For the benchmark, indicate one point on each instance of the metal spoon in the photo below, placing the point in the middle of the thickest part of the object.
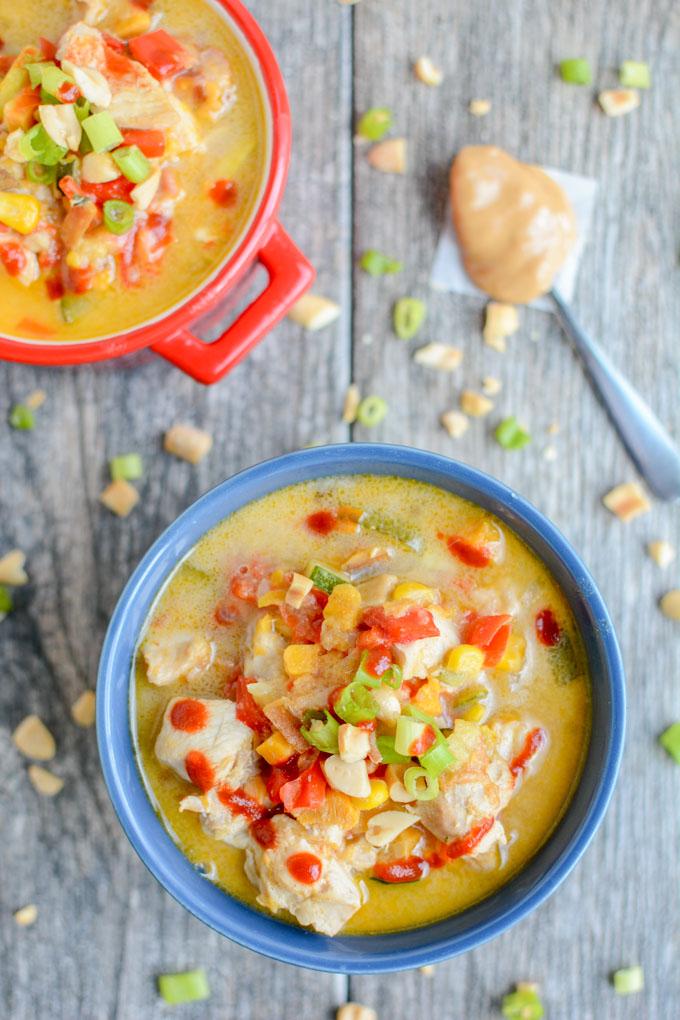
(647, 441)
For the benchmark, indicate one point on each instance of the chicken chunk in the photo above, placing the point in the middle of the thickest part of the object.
(263, 658)
(179, 656)
(325, 904)
(217, 820)
(204, 743)
(418, 658)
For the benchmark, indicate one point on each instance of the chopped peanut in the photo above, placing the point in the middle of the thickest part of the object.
(491, 386)
(298, 590)
(44, 781)
(119, 497)
(553, 428)
(616, 102)
(428, 72)
(427, 970)
(389, 157)
(187, 443)
(12, 568)
(26, 916)
(474, 404)
(670, 604)
(550, 452)
(353, 743)
(35, 399)
(501, 321)
(83, 709)
(456, 423)
(314, 312)
(662, 552)
(627, 501)
(383, 828)
(352, 1010)
(33, 739)
(352, 401)
(479, 107)
(443, 357)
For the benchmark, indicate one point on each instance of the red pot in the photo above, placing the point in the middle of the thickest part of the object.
(290, 274)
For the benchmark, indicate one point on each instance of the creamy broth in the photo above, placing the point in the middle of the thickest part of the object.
(236, 148)
(548, 687)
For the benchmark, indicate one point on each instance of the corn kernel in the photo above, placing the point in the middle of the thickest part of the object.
(343, 606)
(20, 212)
(513, 657)
(277, 579)
(427, 698)
(263, 628)
(467, 659)
(412, 590)
(275, 749)
(275, 597)
(135, 23)
(300, 659)
(378, 795)
(474, 714)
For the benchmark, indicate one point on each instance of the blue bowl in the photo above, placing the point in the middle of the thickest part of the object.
(347, 953)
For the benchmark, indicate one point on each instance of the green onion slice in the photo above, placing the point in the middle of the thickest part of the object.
(371, 411)
(119, 216)
(524, 1004)
(628, 980)
(36, 71)
(128, 467)
(437, 759)
(392, 676)
(6, 602)
(390, 755)
(356, 704)
(191, 986)
(39, 174)
(635, 74)
(420, 783)
(22, 417)
(324, 578)
(409, 315)
(375, 123)
(511, 435)
(52, 78)
(670, 741)
(376, 264)
(132, 162)
(397, 530)
(82, 108)
(36, 145)
(102, 131)
(576, 71)
(73, 306)
(321, 730)
(408, 731)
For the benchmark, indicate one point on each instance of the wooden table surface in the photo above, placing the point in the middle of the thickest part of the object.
(106, 928)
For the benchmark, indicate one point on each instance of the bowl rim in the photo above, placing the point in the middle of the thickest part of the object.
(350, 954)
(235, 263)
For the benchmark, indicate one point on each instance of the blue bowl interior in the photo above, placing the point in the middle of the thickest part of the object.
(401, 950)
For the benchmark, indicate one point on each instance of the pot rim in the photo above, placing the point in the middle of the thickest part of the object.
(415, 947)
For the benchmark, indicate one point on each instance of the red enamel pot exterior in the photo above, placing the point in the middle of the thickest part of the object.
(290, 274)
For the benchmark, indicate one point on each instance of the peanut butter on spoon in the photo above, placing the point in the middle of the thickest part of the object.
(515, 225)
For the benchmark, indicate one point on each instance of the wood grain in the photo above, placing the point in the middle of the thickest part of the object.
(106, 928)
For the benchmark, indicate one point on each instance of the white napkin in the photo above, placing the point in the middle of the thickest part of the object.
(448, 272)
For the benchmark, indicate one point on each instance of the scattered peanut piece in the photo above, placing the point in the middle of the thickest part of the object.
(479, 107)
(33, 739)
(662, 552)
(83, 709)
(455, 423)
(187, 442)
(428, 72)
(355, 1011)
(389, 157)
(670, 604)
(616, 102)
(491, 386)
(553, 428)
(119, 497)
(44, 781)
(352, 401)
(313, 312)
(550, 453)
(443, 357)
(35, 399)
(427, 970)
(26, 916)
(627, 501)
(474, 404)
(12, 569)
(501, 321)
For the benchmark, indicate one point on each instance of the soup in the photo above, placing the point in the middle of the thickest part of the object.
(133, 142)
(361, 703)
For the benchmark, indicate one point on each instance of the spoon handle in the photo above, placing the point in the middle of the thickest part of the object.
(647, 441)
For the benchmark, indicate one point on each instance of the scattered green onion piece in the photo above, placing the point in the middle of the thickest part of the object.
(511, 435)
(437, 759)
(102, 131)
(376, 264)
(576, 71)
(82, 108)
(119, 216)
(52, 79)
(320, 732)
(371, 411)
(73, 306)
(37, 145)
(22, 417)
(356, 704)
(128, 467)
(373, 520)
(408, 731)
(375, 123)
(47, 99)
(628, 980)
(393, 677)
(36, 71)
(414, 787)
(409, 315)
(6, 601)
(39, 174)
(524, 1004)
(634, 74)
(389, 754)
(670, 741)
(363, 677)
(323, 578)
(132, 162)
(67, 169)
(191, 986)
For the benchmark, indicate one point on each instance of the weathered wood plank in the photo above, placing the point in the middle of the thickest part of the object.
(106, 929)
(614, 909)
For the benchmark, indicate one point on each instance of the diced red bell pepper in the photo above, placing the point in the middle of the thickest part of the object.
(378, 661)
(224, 193)
(490, 633)
(547, 628)
(277, 777)
(47, 48)
(114, 43)
(119, 188)
(534, 741)
(248, 711)
(162, 55)
(245, 582)
(422, 743)
(307, 791)
(305, 623)
(13, 258)
(469, 554)
(413, 625)
(151, 143)
(68, 92)
(467, 843)
(54, 287)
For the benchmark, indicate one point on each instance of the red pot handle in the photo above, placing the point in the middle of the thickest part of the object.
(290, 274)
